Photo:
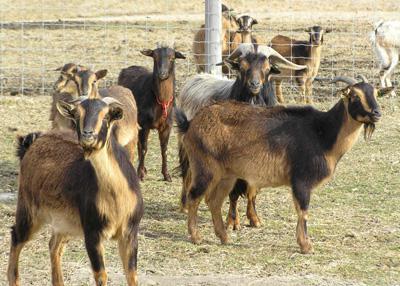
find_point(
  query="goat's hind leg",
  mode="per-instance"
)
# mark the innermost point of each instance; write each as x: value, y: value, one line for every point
x: 214, y: 199
x: 251, y: 207
x: 142, y: 151
x: 56, y: 247
x: 21, y: 233
x: 233, y: 218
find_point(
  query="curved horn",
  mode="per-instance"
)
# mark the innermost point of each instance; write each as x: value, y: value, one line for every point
x: 363, y: 78
x: 277, y: 59
x: 348, y: 80
x: 111, y: 100
x: 78, y: 99
x: 242, y: 50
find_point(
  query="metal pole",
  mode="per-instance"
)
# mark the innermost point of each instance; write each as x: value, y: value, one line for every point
x: 213, y: 21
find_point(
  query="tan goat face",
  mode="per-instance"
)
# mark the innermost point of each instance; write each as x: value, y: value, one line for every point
x: 93, y: 119
x: 67, y: 74
x: 317, y: 34
x: 246, y: 23
x: 86, y: 81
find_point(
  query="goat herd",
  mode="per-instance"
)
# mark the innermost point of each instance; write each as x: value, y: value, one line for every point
x: 79, y: 176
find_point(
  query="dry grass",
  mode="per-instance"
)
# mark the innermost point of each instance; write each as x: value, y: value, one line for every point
x: 354, y: 219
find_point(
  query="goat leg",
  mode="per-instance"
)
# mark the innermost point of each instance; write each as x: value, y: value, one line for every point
x: 142, y: 150
x: 163, y: 135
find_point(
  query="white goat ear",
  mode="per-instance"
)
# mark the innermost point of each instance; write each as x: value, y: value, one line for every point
x: 66, y: 109
x: 384, y: 91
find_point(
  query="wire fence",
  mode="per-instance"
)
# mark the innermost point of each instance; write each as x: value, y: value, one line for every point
x: 38, y: 36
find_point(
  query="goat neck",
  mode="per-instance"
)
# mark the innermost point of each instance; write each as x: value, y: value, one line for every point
x: 346, y: 134
x: 246, y: 37
x: 164, y: 91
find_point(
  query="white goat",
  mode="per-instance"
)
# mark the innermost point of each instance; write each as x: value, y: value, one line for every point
x: 386, y: 42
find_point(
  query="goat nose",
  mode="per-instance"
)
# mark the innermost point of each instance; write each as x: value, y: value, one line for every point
x: 87, y: 133
x: 376, y: 113
x: 254, y: 83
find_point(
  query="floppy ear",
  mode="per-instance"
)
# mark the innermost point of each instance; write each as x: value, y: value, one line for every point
x: 59, y: 69
x: 345, y: 92
x: 233, y: 65
x: 274, y: 70
x: 116, y: 112
x: 255, y: 22
x: 147, y: 52
x: 385, y: 90
x: 179, y: 55
x: 100, y: 74
x: 66, y: 109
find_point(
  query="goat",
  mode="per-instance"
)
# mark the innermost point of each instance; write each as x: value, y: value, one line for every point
x: 294, y: 146
x: 252, y: 85
x: 235, y: 30
x: 302, y: 53
x: 76, y: 81
x: 154, y: 95
x: 86, y: 187
x: 386, y: 43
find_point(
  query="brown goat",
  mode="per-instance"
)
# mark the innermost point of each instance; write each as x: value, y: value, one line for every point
x: 77, y: 81
x: 302, y: 53
x: 234, y: 32
x: 86, y: 187
x: 294, y: 146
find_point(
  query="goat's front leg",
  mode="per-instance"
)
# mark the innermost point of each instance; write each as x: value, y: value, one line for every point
x: 309, y: 91
x: 251, y: 207
x: 163, y: 135
x: 142, y: 150
x: 128, y: 250
x: 95, y: 252
x: 301, y: 197
x: 278, y: 91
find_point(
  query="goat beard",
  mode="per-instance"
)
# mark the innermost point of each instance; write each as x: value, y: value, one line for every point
x: 369, y: 128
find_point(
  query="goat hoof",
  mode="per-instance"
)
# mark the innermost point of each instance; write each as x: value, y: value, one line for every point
x: 237, y: 226
x: 224, y: 240
x: 306, y: 248
x: 196, y: 239
x: 167, y: 177
x: 234, y: 224
x: 183, y: 209
x: 255, y: 223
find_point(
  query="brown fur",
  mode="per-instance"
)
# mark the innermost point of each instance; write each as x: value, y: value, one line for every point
x: 301, y: 53
x: 223, y: 140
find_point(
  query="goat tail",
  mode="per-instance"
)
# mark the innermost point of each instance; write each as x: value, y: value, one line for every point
x: 24, y: 142
x: 181, y: 121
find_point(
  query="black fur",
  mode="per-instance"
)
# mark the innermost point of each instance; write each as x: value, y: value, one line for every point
x: 24, y: 142
x: 181, y: 121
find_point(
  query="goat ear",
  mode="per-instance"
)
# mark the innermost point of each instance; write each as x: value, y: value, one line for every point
x: 385, y: 90
x: 345, y: 92
x: 116, y: 112
x: 147, y: 52
x: 233, y: 65
x: 179, y: 55
x: 255, y: 22
x: 100, y: 74
x: 59, y: 69
x: 274, y: 70
x: 308, y: 30
x: 66, y: 109
x: 328, y: 30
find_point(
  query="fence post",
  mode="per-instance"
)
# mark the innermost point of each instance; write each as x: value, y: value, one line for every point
x: 213, y: 21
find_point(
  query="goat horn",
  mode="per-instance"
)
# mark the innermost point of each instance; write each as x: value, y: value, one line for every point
x: 78, y: 100
x: 363, y: 78
x: 242, y: 50
x: 111, y: 100
x: 348, y: 80
x: 277, y: 59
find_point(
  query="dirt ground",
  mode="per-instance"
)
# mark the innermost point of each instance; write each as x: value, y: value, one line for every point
x: 354, y: 219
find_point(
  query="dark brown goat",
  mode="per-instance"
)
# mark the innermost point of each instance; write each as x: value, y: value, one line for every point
x: 294, y: 146
x: 83, y: 188
x: 154, y: 93
x: 77, y: 81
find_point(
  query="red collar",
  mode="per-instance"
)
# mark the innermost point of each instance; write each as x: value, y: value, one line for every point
x: 165, y: 105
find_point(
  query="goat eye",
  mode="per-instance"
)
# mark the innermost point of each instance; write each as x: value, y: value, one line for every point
x: 356, y: 98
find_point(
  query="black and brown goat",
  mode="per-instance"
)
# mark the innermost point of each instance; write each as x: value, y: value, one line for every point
x: 252, y: 85
x: 269, y: 147
x: 154, y: 94
x: 86, y: 187
x: 302, y: 53
x: 78, y: 81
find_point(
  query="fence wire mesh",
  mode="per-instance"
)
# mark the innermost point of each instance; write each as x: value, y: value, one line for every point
x: 38, y: 36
